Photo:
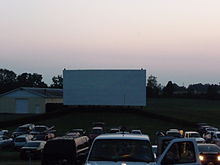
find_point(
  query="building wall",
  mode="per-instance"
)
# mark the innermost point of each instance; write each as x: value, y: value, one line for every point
x: 105, y: 87
x: 35, y: 105
x: 54, y: 100
x: 7, y: 105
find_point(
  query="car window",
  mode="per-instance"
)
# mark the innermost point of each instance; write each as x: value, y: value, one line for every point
x: 121, y: 150
x: 180, y: 152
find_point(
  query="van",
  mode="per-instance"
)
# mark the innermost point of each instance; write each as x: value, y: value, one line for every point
x: 65, y: 150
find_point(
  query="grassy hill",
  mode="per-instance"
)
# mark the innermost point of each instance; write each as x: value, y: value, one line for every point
x: 160, y: 114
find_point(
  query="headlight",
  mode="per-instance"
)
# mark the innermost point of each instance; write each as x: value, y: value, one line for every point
x: 201, y: 158
x: 218, y: 157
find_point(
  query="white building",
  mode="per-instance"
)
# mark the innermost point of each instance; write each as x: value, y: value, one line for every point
x: 29, y: 100
x: 104, y: 87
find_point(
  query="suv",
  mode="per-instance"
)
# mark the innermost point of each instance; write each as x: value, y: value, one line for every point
x: 111, y: 149
x: 21, y: 140
x: 194, y: 134
x: 24, y: 129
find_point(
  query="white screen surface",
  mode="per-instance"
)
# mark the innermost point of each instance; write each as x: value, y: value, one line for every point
x: 105, y: 87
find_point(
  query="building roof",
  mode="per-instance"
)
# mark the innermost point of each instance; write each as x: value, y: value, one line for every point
x: 43, y: 92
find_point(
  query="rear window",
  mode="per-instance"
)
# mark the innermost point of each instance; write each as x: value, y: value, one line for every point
x: 59, y: 147
x: 20, y: 140
x: 33, y: 144
x: 195, y: 135
x: 121, y: 150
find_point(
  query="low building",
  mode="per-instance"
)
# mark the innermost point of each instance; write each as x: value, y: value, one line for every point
x: 29, y: 100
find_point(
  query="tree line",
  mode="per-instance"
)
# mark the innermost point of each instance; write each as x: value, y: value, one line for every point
x: 9, y: 80
x: 198, y: 91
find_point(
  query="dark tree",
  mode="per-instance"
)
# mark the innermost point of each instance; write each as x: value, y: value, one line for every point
x: 57, y: 82
x: 7, y: 80
x: 152, y: 87
x: 168, y: 89
x: 212, y: 92
x: 30, y: 80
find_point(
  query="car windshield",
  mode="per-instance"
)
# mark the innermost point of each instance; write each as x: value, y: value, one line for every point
x: 33, y: 144
x: 209, y: 148
x: 40, y: 129
x: 195, y: 135
x: 121, y: 150
x: 97, y: 131
x: 175, y: 134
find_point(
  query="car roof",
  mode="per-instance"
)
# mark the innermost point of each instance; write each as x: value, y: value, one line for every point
x: 191, y: 132
x: 40, y: 126
x: 23, y: 136
x: 123, y: 136
x: 97, y: 128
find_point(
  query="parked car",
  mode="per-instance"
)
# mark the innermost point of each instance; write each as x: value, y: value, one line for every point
x: 98, y: 124
x: 65, y: 150
x: 211, y: 130
x: 32, y: 149
x: 42, y: 129
x: 114, y: 130
x: 194, y: 134
x: 136, y: 132
x: 78, y: 130
x: 174, y: 133
x: 5, y: 141
x: 21, y: 140
x: 4, y: 132
x: 111, y: 149
x: 209, y: 154
x: 96, y: 131
x: 22, y: 130
x: 44, y: 136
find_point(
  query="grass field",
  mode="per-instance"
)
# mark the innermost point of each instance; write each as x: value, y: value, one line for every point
x: 186, y: 109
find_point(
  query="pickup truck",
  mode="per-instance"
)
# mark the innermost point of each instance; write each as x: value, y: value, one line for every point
x: 127, y: 149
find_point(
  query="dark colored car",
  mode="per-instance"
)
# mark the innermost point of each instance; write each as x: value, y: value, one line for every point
x: 24, y: 129
x: 65, y: 150
x: 96, y: 131
x: 78, y: 130
x: 32, y: 149
x: 44, y: 136
x: 42, y: 129
x: 209, y: 154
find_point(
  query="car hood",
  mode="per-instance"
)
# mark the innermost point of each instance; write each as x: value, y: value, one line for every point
x: 118, y: 163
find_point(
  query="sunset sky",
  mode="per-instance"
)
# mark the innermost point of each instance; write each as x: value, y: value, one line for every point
x: 176, y: 40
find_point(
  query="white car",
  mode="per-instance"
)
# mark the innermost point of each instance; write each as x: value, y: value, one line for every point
x: 5, y: 141
x: 194, y: 134
x: 21, y: 140
x: 130, y: 149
